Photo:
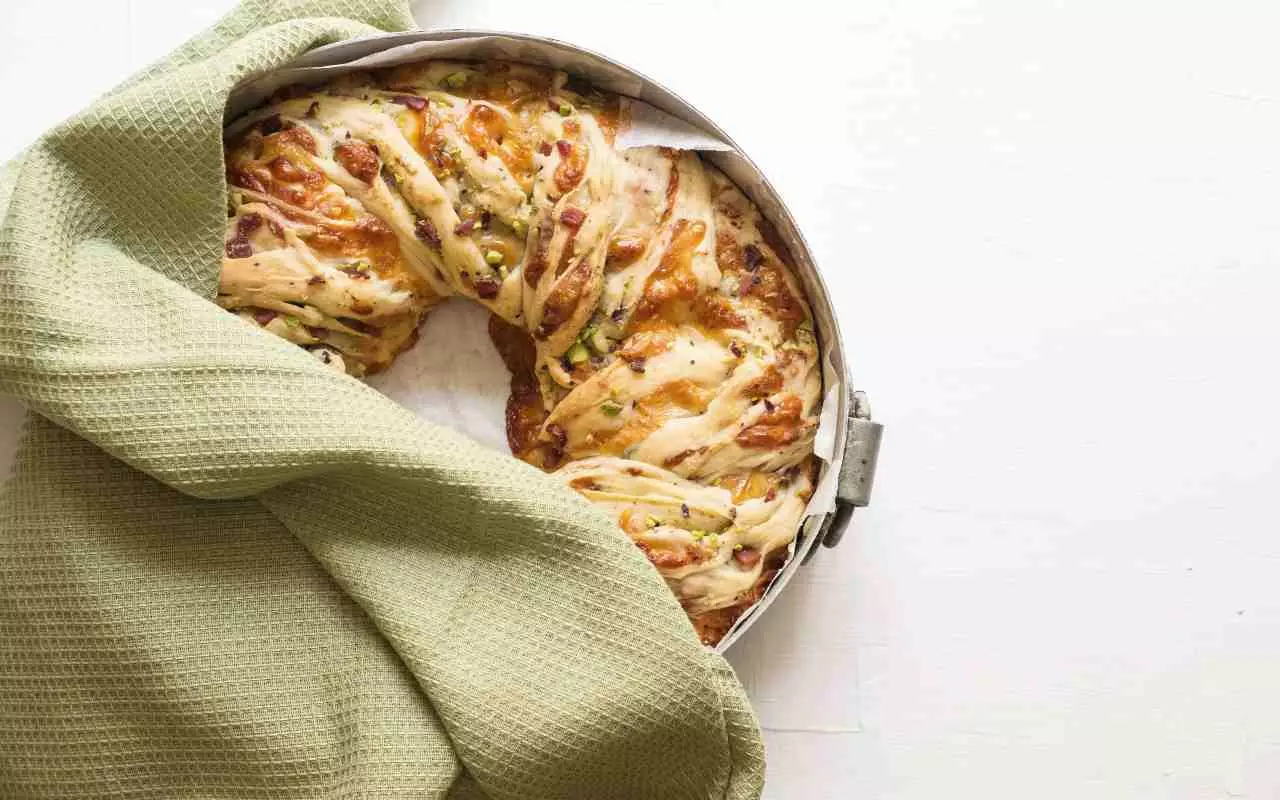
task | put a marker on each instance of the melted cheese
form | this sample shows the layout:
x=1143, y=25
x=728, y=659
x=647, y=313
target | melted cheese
x=666, y=358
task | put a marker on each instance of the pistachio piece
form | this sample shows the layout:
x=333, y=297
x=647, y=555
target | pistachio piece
x=578, y=353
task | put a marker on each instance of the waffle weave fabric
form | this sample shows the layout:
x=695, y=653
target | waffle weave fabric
x=227, y=571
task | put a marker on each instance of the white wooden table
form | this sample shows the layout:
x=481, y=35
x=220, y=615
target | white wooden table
x=1054, y=239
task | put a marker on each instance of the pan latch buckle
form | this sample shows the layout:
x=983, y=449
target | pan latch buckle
x=857, y=470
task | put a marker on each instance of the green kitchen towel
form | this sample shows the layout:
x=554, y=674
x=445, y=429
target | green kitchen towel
x=226, y=571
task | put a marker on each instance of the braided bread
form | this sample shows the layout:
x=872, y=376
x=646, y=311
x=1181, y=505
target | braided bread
x=662, y=356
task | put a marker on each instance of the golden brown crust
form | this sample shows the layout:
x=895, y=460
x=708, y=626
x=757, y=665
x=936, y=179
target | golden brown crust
x=661, y=353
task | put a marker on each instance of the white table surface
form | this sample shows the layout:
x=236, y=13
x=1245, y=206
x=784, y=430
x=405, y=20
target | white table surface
x=1053, y=234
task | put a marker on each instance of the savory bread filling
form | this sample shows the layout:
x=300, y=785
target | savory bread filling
x=663, y=358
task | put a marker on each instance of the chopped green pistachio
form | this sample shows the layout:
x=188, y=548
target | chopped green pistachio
x=518, y=227
x=697, y=534
x=578, y=353
x=456, y=80
x=737, y=548
x=610, y=409
x=503, y=272
x=599, y=342
x=292, y=322
x=651, y=521
x=493, y=258
x=587, y=332
x=565, y=109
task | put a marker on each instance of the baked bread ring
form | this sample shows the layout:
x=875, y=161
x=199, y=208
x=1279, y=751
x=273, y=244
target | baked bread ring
x=662, y=353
